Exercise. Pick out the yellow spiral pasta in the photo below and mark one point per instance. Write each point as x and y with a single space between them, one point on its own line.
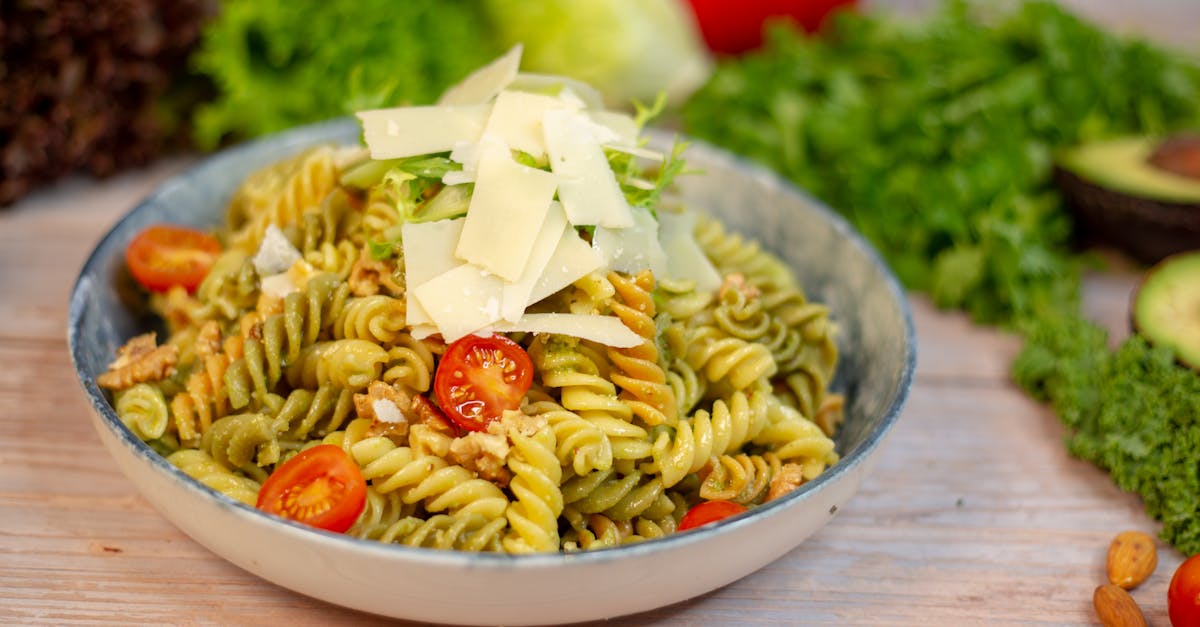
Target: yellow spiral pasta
538 501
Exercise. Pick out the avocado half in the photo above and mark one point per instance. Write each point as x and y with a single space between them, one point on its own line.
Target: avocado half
1139 194
1166 306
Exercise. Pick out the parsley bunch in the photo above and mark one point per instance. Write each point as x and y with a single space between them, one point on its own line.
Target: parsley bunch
936 137
1134 412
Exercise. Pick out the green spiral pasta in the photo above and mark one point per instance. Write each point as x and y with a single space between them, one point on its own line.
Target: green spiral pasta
245 442
203 468
144 410
350 364
464 532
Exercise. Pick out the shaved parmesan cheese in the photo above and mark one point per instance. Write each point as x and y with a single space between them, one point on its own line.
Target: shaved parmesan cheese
422 331
428 253
275 253
587 187
278 285
462 300
483 84
517 293
562 86
607 330
517 119
633 249
506 214
387 411
685 259
572 259
466 153
623 126
411 131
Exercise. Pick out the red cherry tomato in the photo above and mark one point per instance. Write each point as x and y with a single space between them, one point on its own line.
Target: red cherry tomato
480 377
709 512
164 255
1183 595
735 27
320 486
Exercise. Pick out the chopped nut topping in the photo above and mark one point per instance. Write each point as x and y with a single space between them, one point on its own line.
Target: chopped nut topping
368 276
484 453
789 477
737 281
138 361
379 396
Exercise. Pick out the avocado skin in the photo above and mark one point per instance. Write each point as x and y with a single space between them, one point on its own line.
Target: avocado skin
1166 306
1146 229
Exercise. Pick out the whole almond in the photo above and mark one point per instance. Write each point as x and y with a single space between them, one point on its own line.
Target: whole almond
1132 558
1115 608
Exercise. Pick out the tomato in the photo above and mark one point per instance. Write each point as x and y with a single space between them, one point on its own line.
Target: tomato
1183 595
165 255
709 512
735 27
480 377
321 486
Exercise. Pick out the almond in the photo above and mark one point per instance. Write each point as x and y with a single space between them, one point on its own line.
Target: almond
1115 608
1132 558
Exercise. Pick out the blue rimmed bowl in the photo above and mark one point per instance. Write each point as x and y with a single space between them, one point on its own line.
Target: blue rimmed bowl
835 265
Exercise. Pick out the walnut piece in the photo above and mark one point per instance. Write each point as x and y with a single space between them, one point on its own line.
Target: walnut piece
484 453
388 408
138 361
737 281
789 477
369 275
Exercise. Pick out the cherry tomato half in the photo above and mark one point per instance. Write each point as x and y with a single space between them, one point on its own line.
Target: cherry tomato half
709 512
320 486
480 377
165 255
1183 595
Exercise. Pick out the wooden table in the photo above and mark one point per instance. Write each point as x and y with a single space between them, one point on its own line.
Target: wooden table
975 513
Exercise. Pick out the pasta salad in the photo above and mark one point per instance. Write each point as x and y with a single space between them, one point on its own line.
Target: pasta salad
489 328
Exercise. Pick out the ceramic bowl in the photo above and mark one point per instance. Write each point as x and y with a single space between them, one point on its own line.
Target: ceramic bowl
835 266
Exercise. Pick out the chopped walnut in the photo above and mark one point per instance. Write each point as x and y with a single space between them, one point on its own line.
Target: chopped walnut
138 361
737 281
368 276
484 453
514 421
789 477
388 408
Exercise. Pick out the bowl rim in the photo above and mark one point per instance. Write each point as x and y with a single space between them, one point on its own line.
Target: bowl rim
343 128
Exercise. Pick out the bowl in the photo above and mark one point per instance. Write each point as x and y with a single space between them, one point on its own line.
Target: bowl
834 264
